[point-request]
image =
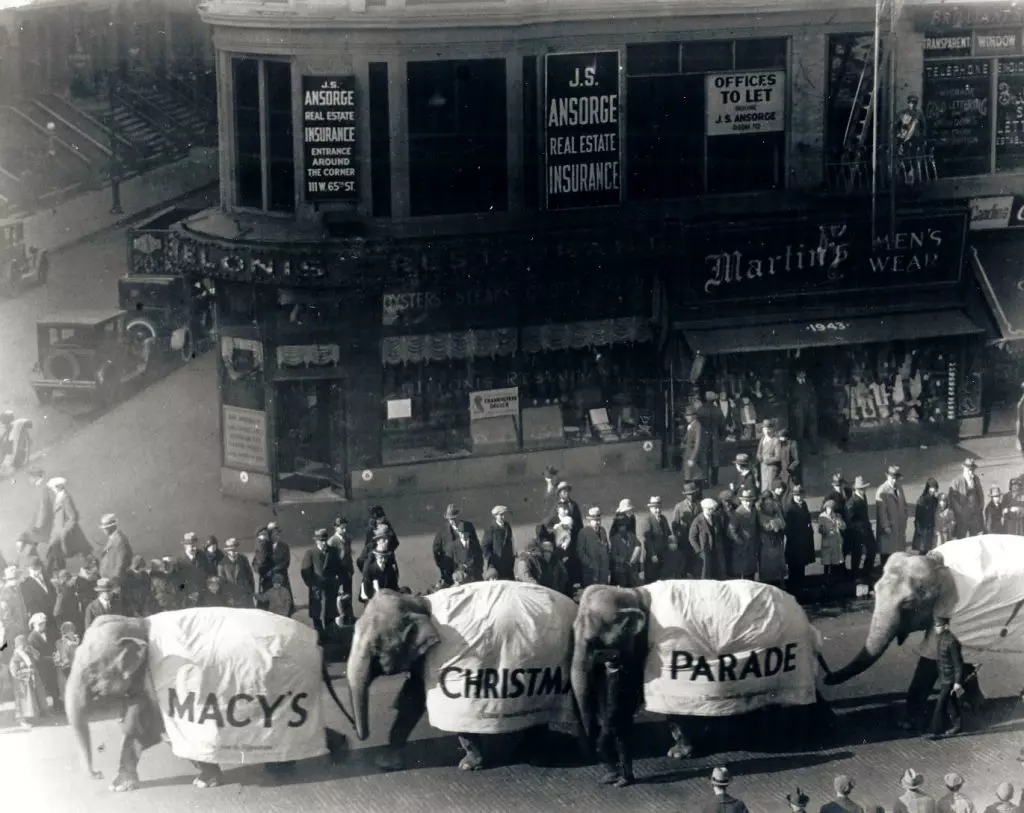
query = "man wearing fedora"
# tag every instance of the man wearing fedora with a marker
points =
(954, 801)
(563, 492)
(685, 511)
(498, 545)
(457, 549)
(798, 800)
(843, 786)
(860, 534)
(594, 551)
(799, 538)
(967, 499)
(653, 531)
(1004, 793)
(696, 449)
(744, 538)
(103, 604)
(768, 453)
(914, 799)
(891, 515)
(117, 553)
(743, 475)
(321, 573)
(723, 802)
(239, 581)
(708, 541)
(949, 660)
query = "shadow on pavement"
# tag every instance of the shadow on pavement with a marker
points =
(700, 768)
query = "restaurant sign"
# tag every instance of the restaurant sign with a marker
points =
(772, 259)
(329, 138)
(582, 130)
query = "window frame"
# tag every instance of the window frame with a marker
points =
(784, 136)
(264, 112)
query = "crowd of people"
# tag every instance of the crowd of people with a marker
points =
(913, 797)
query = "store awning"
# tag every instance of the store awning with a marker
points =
(999, 268)
(860, 330)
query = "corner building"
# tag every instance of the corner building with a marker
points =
(461, 241)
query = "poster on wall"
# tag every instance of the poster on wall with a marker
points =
(245, 439)
(746, 102)
(329, 138)
(494, 403)
(956, 104)
(582, 130)
(1010, 115)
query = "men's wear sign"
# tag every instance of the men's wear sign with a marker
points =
(745, 102)
(494, 403)
(582, 130)
(329, 138)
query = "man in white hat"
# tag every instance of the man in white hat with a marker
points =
(457, 549)
(545, 530)
(594, 551)
(914, 800)
(498, 546)
(710, 548)
(117, 554)
(723, 802)
(954, 801)
(66, 529)
(653, 530)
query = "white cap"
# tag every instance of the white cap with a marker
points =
(625, 506)
(57, 482)
(707, 502)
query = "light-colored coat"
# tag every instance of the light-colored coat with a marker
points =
(891, 517)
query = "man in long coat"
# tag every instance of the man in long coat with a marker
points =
(707, 538)
(594, 551)
(967, 499)
(498, 545)
(743, 476)
(42, 521)
(117, 555)
(321, 573)
(457, 549)
(799, 537)
(744, 538)
(862, 542)
(67, 532)
(39, 595)
(790, 470)
(236, 574)
(891, 515)
(696, 450)
(653, 531)
(768, 454)
(192, 568)
(685, 512)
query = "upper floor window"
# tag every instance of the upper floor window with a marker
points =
(458, 157)
(705, 117)
(264, 147)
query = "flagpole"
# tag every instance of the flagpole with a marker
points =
(874, 119)
(892, 115)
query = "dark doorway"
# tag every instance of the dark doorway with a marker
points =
(311, 439)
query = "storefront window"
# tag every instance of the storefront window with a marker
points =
(264, 148)
(851, 68)
(458, 158)
(526, 401)
(705, 117)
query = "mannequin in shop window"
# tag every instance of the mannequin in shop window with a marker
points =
(727, 420)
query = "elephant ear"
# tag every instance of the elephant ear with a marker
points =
(130, 657)
(410, 642)
(629, 622)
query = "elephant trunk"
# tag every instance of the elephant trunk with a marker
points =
(580, 681)
(884, 627)
(359, 679)
(76, 702)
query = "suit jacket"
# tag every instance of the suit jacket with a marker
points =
(696, 452)
(653, 535)
(799, 534)
(745, 543)
(38, 599)
(66, 531)
(595, 556)
(682, 515)
(843, 805)
(95, 610)
(321, 573)
(270, 560)
(116, 556)
(451, 555)
(949, 659)
(42, 523)
(968, 504)
(738, 480)
(913, 802)
(499, 550)
(191, 574)
(724, 804)
(891, 518)
(239, 581)
(709, 549)
(789, 461)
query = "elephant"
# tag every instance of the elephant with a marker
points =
(978, 583)
(633, 644)
(480, 658)
(192, 655)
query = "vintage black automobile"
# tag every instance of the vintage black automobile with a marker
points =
(20, 267)
(90, 353)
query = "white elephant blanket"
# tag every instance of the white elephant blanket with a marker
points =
(237, 686)
(986, 603)
(727, 647)
(503, 660)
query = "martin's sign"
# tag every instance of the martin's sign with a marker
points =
(774, 260)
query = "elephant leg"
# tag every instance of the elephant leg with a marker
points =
(474, 759)
(142, 727)
(925, 674)
(410, 705)
(209, 775)
(683, 747)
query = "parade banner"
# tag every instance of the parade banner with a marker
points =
(582, 130)
(237, 686)
(744, 102)
(329, 138)
(719, 648)
(502, 663)
(985, 600)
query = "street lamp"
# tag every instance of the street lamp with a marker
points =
(115, 169)
(51, 148)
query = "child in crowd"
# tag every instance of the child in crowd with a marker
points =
(30, 704)
(213, 595)
(277, 599)
(945, 521)
(67, 645)
(994, 513)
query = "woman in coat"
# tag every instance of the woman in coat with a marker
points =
(772, 518)
(1013, 504)
(799, 537)
(66, 531)
(945, 521)
(832, 529)
(924, 517)
(498, 545)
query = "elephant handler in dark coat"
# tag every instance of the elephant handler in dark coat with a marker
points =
(710, 547)
(799, 538)
(457, 548)
(499, 547)
(321, 573)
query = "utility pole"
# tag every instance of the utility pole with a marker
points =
(115, 169)
(893, 21)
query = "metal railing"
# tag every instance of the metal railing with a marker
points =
(853, 176)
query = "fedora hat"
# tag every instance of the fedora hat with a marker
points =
(837, 478)
(742, 459)
(893, 471)
(104, 585)
(594, 513)
(320, 535)
(970, 463)
(451, 511)
(720, 776)
(911, 779)
(708, 503)
(498, 510)
(108, 521)
(191, 538)
(953, 780)
(626, 505)
(796, 489)
(860, 483)
(690, 488)
(563, 485)
(797, 797)
(231, 544)
(747, 493)
(57, 482)
(654, 502)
